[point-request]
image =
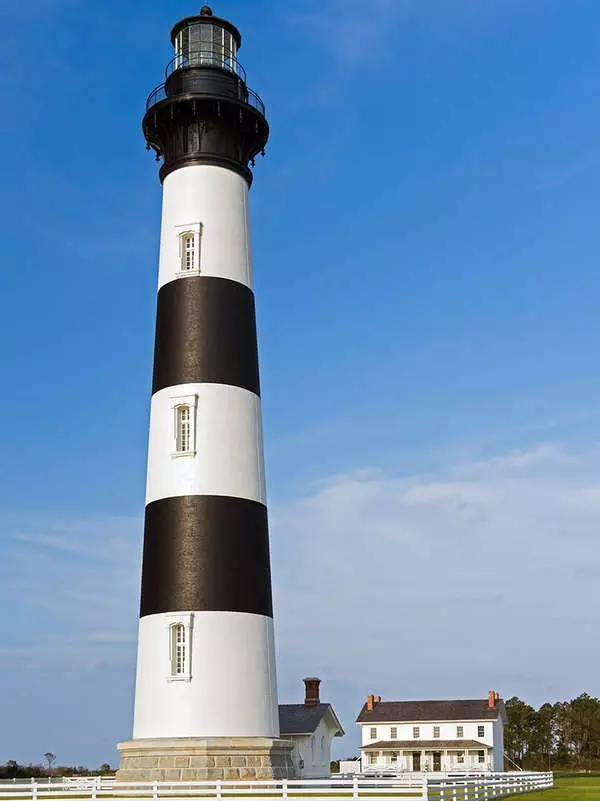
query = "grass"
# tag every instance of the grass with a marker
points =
(572, 788)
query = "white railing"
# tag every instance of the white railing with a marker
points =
(411, 786)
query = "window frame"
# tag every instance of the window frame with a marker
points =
(481, 730)
(416, 732)
(460, 732)
(436, 732)
(184, 234)
(393, 732)
(373, 755)
(175, 623)
(178, 405)
(481, 757)
(371, 735)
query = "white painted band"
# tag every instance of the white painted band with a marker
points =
(227, 457)
(214, 201)
(232, 689)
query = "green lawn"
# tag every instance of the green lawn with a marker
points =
(572, 788)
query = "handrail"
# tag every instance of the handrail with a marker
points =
(206, 57)
(245, 95)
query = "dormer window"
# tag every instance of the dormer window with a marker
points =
(184, 425)
(190, 242)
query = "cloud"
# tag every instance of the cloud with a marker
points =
(444, 585)
(352, 30)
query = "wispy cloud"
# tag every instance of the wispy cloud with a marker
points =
(445, 584)
(352, 30)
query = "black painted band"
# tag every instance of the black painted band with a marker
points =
(206, 553)
(205, 334)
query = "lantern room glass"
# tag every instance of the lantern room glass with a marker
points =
(205, 45)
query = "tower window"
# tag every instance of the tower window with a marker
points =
(180, 651)
(190, 242)
(184, 429)
(184, 425)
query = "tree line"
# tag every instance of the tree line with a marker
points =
(14, 770)
(561, 736)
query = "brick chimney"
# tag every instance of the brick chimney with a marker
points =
(311, 695)
(492, 698)
(370, 703)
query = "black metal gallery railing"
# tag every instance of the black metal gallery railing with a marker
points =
(244, 94)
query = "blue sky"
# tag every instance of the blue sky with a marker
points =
(426, 255)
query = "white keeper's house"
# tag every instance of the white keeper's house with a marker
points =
(453, 736)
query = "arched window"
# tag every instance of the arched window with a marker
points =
(189, 237)
(183, 433)
(188, 251)
(184, 429)
(178, 650)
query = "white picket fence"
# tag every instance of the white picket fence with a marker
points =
(424, 787)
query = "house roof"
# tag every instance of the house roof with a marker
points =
(424, 711)
(302, 719)
(429, 745)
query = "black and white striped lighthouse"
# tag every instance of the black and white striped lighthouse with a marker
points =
(206, 695)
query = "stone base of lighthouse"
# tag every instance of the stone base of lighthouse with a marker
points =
(206, 759)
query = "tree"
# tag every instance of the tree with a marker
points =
(517, 735)
(50, 759)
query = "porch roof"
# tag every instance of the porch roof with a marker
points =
(426, 745)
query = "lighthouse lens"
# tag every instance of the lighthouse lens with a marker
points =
(203, 44)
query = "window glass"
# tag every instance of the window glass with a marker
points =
(373, 733)
(481, 757)
(416, 732)
(393, 733)
(459, 731)
(184, 429)
(436, 731)
(178, 650)
(481, 731)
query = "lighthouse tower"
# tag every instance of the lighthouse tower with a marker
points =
(206, 694)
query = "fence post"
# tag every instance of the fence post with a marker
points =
(34, 790)
(219, 791)
(425, 789)
(355, 787)
(155, 790)
(284, 788)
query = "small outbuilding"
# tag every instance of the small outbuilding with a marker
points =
(311, 726)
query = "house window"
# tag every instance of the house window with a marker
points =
(372, 758)
(481, 731)
(190, 242)
(394, 756)
(460, 757)
(394, 733)
(416, 732)
(436, 732)
(481, 757)
(184, 425)
(373, 733)
(459, 731)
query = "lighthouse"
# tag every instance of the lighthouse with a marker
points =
(206, 692)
